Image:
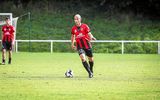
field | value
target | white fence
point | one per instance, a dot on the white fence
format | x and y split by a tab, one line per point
97	41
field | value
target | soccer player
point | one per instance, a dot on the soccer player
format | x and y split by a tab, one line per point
81	34
7	40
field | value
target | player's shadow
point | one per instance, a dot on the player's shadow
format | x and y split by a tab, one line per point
36	77
2	64
45	77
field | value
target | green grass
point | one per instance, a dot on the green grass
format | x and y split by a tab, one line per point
40	76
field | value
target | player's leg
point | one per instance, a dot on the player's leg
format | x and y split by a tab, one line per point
10	52
90	58
3	52
84	62
91	63
10	57
3	56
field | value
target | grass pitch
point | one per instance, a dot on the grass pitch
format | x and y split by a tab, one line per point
40	76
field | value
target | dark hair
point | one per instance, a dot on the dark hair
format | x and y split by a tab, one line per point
6	18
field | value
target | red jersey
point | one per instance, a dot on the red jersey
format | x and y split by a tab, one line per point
8	33
81	35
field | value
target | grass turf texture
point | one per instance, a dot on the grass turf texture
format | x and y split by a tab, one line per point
40	76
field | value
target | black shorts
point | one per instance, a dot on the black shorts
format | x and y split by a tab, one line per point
7	45
87	52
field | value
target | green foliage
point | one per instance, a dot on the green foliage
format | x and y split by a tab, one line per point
141	48
57	26
107	47
55	23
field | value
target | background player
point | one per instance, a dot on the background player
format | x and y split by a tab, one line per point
7	40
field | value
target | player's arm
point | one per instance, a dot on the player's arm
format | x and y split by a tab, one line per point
91	36
73	41
2	34
13	36
13	40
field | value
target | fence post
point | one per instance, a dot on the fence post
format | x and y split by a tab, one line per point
122	47
51	47
158	47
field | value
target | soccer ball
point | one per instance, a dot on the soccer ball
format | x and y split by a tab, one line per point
69	73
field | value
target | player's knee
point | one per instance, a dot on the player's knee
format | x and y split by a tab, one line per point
83	58
91	59
3	50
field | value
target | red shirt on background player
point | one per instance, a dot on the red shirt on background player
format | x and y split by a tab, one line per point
8	33
81	34
7	40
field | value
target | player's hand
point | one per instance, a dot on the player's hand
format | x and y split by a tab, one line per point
12	43
93	38
74	47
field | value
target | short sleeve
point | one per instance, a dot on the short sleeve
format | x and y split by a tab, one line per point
13	29
72	31
87	29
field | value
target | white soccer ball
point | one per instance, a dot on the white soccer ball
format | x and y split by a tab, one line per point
69	73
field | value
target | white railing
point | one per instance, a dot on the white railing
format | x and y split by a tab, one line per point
97	41
49	41
130	41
